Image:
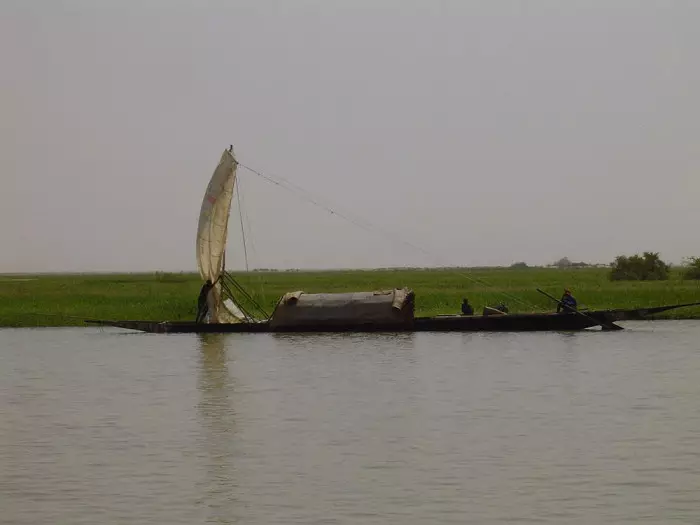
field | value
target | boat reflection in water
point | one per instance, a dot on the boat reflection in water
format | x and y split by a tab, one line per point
218	423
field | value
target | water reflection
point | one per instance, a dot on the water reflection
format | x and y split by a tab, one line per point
362	428
218	420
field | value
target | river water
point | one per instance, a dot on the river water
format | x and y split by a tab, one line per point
110	427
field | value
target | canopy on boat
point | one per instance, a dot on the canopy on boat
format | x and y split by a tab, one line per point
381	308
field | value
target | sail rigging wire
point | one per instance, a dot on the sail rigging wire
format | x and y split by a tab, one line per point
240	214
333	210
246	295
226	288
245	223
372	228
222	283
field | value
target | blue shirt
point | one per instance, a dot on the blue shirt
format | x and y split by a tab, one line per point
568	301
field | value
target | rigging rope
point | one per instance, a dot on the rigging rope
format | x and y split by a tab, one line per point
226	288
240	214
246	295
372	228
345	215
245	223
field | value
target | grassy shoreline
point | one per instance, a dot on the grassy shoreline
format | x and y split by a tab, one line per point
68	299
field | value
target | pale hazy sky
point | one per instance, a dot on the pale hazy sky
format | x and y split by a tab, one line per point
487	132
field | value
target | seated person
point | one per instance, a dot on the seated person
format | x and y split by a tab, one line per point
466	307
567	303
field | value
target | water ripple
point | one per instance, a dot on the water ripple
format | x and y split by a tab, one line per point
389	428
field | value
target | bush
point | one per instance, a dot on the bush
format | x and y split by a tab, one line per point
564	262
692	268
647	267
519	266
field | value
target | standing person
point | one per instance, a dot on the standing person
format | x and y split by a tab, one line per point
567	302
202	307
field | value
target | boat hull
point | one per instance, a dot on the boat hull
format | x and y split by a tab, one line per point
532	322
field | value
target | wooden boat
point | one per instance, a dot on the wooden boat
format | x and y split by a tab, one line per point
528	322
231	309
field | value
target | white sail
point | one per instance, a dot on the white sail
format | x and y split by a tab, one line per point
231	313
212	230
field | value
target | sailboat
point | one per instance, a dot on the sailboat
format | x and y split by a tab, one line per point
230	308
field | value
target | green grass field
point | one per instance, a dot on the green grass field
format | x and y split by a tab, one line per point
66	300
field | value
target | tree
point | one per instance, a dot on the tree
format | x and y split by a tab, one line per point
519	265
647	267
564	262
692	268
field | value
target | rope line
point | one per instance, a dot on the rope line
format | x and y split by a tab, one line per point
240	214
246	226
372	228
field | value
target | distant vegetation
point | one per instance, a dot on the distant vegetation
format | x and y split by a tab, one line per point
179	277
565	262
645	267
62	300
692	269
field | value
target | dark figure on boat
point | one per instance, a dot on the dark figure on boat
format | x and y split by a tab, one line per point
567	303
466	307
202	306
